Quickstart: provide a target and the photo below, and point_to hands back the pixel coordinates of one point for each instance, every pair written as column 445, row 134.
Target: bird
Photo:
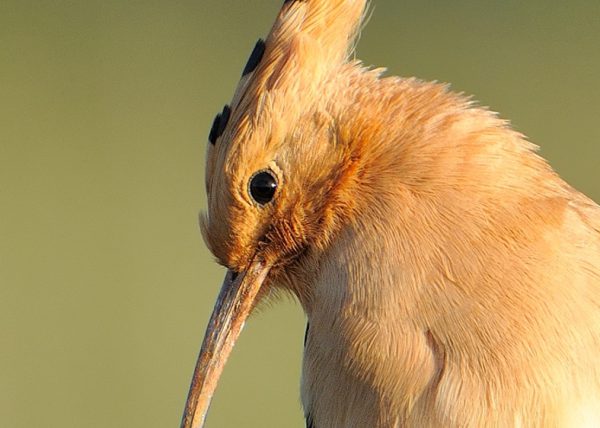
column 450, row 278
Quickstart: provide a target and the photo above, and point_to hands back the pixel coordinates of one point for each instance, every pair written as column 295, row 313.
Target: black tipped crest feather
column 224, row 119
column 255, row 57
column 219, row 125
column 212, row 136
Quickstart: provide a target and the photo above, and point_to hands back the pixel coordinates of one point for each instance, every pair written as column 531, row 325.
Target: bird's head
column 276, row 162
column 277, row 169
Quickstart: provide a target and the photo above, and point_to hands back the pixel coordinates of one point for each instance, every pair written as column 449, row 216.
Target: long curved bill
column 233, row 306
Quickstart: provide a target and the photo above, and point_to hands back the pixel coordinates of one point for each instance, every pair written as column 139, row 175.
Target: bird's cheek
column 285, row 239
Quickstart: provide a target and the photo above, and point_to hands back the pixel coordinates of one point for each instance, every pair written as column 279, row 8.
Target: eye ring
column 263, row 186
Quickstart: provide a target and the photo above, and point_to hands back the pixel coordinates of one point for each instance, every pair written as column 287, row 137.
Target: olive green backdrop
column 105, row 284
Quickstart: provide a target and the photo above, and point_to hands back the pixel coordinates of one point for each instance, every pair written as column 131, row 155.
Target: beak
column 233, row 306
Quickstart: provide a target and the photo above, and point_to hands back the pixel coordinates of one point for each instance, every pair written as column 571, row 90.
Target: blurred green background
column 105, row 284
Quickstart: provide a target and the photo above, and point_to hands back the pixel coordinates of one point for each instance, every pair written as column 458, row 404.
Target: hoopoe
column 449, row 276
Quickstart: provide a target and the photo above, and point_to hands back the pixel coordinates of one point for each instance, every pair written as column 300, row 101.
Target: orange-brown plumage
column 449, row 276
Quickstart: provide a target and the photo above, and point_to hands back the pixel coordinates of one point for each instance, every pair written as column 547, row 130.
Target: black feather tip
column 219, row 125
column 224, row 119
column 212, row 136
column 255, row 57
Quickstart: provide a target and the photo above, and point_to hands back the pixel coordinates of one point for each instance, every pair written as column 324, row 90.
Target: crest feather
column 308, row 41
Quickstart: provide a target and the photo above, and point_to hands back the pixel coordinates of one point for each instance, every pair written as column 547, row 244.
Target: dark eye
column 262, row 187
